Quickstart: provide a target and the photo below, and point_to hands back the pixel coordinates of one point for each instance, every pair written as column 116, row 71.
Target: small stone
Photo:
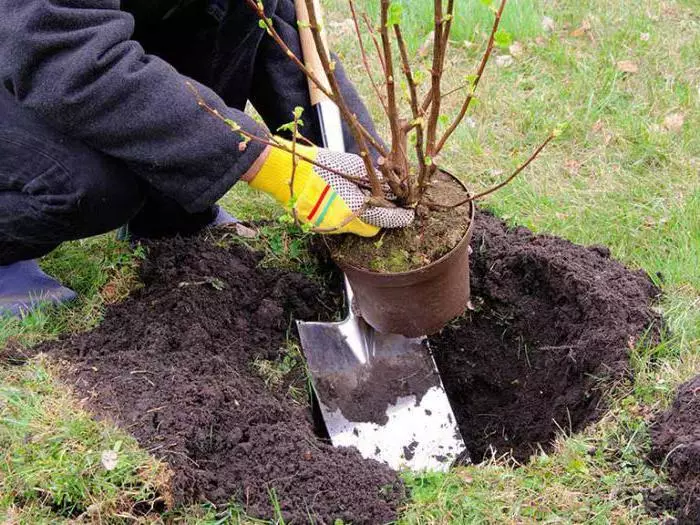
column 644, row 37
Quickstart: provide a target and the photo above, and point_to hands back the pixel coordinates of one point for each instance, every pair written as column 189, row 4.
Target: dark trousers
column 54, row 188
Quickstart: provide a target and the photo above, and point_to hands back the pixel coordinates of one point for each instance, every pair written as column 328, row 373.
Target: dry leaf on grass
column 627, row 66
column 573, row 167
column 516, row 49
column 427, row 45
column 674, row 122
column 582, row 30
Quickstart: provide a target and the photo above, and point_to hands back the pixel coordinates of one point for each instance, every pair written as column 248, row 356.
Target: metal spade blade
column 381, row 393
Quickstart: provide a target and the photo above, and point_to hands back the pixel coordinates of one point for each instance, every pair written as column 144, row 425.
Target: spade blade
column 382, row 394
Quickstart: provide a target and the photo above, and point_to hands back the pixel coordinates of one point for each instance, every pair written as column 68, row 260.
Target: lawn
column 622, row 79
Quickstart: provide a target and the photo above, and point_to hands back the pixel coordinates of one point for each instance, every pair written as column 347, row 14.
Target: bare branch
column 365, row 59
column 259, row 9
column 436, row 72
column 352, row 122
column 477, row 78
column 502, row 184
column 373, row 35
column 417, row 113
column 295, row 162
column 270, row 140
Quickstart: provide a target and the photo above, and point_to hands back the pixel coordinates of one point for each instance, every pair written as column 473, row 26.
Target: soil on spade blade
column 551, row 328
column 173, row 365
column 675, row 437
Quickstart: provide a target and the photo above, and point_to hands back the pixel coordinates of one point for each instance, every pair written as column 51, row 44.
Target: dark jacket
column 73, row 63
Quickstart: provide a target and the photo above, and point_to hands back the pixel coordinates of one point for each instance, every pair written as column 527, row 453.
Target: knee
column 47, row 196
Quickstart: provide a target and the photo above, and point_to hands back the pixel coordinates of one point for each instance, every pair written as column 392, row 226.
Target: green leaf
column 394, row 14
column 443, row 119
column 471, row 79
column 262, row 24
column 298, row 111
column 232, row 124
column 289, row 126
column 487, row 3
column 502, row 38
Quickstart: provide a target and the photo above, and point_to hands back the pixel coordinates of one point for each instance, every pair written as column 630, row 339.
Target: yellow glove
column 322, row 198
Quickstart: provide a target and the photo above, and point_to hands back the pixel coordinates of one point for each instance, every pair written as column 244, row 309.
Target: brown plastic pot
column 418, row 302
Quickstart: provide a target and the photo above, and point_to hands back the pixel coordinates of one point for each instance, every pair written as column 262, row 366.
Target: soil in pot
column 675, row 437
column 175, row 365
column 552, row 328
column 429, row 238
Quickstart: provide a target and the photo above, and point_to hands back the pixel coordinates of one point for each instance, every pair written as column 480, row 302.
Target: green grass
column 51, row 455
column 616, row 176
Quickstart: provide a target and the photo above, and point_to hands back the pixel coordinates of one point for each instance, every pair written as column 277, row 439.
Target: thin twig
column 417, row 114
column 295, row 162
column 270, row 141
column 436, row 71
column 502, row 184
column 477, row 78
column 373, row 35
column 352, row 122
column 365, row 59
column 259, row 9
column 389, row 77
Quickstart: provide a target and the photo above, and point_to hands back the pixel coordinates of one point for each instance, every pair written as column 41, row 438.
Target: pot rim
column 465, row 238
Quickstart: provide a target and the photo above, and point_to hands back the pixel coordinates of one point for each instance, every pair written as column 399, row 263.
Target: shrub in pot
column 411, row 280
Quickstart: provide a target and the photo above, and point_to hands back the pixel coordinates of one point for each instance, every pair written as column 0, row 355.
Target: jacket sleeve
column 73, row 63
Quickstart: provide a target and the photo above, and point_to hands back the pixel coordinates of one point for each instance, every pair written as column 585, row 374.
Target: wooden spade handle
column 312, row 60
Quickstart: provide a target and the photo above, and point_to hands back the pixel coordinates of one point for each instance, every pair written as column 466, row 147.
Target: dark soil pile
column 430, row 237
column 553, row 321
column 172, row 365
column 675, row 439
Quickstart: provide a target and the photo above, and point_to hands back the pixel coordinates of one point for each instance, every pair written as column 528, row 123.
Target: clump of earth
column 675, row 437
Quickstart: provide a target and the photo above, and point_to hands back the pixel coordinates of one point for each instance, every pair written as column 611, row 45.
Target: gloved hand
column 322, row 198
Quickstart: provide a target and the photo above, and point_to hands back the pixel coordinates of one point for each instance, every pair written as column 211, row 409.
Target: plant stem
column 365, row 59
column 270, row 141
column 259, row 9
column 477, row 78
column 352, row 122
column 417, row 114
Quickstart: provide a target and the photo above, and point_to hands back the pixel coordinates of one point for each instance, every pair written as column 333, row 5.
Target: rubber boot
column 223, row 218
column 24, row 286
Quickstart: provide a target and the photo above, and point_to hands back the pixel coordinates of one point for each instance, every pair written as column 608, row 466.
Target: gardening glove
column 322, row 198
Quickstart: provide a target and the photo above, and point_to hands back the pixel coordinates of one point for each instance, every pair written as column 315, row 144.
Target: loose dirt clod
column 553, row 322
column 675, row 439
column 173, row 365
